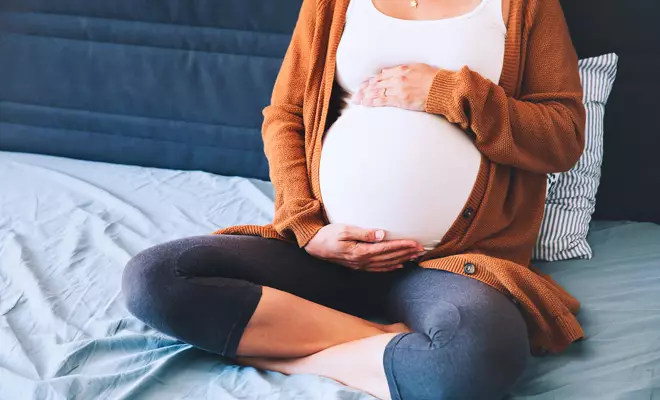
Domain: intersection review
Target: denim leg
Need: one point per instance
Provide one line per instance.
(469, 341)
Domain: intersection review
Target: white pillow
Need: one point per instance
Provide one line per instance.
(571, 196)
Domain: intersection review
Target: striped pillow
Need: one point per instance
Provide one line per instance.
(571, 196)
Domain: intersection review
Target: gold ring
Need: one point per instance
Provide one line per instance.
(385, 92)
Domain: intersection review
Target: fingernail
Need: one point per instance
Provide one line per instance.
(380, 235)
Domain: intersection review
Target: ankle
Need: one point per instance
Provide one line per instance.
(399, 327)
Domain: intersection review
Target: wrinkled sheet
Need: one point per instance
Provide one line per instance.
(68, 227)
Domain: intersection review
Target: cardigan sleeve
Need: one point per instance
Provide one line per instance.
(542, 130)
(298, 214)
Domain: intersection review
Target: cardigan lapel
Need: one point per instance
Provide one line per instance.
(336, 31)
(510, 80)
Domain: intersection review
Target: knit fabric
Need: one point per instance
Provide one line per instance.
(529, 125)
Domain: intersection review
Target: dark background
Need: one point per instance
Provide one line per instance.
(630, 185)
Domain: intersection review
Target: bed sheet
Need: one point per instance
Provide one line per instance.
(67, 228)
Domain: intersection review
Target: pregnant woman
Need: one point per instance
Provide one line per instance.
(408, 143)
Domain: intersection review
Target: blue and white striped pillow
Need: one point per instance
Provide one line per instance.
(571, 196)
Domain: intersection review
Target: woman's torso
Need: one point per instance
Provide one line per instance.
(407, 172)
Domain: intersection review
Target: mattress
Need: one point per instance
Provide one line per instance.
(68, 227)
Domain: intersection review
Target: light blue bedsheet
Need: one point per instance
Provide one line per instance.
(68, 227)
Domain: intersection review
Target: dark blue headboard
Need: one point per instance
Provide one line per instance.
(164, 83)
(181, 84)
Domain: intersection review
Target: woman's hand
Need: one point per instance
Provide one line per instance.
(362, 249)
(405, 86)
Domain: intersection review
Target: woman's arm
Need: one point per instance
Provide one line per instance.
(297, 213)
(540, 131)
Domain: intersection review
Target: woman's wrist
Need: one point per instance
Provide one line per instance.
(305, 229)
(439, 98)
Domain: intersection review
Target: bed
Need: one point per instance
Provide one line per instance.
(67, 227)
(145, 116)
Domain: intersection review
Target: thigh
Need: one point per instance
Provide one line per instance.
(464, 330)
(417, 294)
(276, 264)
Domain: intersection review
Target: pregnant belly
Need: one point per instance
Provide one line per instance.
(409, 173)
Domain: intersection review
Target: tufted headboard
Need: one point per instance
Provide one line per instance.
(181, 84)
(164, 83)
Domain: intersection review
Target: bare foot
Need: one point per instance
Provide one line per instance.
(358, 364)
(399, 327)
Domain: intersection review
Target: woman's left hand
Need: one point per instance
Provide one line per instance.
(405, 86)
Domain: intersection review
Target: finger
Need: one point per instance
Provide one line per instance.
(373, 80)
(357, 97)
(378, 98)
(379, 102)
(396, 96)
(386, 75)
(362, 253)
(369, 83)
(393, 72)
(348, 264)
(377, 86)
(370, 94)
(397, 257)
(384, 264)
(370, 250)
(359, 94)
(391, 86)
(365, 86)
(354, 233)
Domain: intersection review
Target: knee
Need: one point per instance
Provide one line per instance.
(144, 281)
(469, 371)
(460, 361)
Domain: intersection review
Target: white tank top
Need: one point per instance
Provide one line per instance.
(409, 173)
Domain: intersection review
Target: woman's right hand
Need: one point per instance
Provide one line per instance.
(362, 249)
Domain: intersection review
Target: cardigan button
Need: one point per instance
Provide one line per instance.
(468, 213)
(469, 268)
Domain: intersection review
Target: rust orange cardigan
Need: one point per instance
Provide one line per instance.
(531, 124)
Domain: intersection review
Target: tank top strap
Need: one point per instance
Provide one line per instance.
(494, 10)
(355, 7)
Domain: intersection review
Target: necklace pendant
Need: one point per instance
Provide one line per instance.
(414, 3)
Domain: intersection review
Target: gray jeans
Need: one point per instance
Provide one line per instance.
(469, 341)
